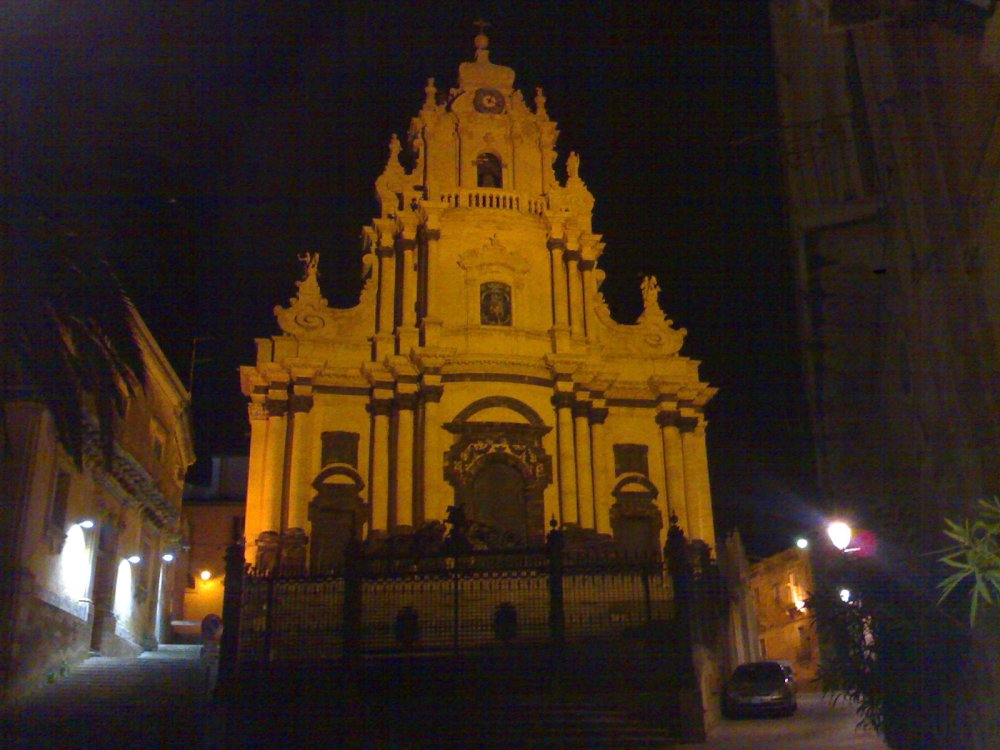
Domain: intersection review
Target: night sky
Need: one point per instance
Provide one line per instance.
(211, 143)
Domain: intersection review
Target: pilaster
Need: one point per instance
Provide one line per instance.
(584, 467)
(563, 403)
(602, 482)
(431, 323)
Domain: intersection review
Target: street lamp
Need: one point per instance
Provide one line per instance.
(840, 534)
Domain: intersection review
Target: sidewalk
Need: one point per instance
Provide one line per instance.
(156, 700)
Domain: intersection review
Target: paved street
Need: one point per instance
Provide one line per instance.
(816, 726)
(154, 701)
(158, 701)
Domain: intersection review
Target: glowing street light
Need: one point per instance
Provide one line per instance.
(135, 559)
(168, 557)
(840, 534)
(802, 543)
(206, 574)
(845, 595)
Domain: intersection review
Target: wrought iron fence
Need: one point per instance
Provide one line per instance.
(446, 602)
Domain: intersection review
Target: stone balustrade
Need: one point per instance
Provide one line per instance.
(493, 198)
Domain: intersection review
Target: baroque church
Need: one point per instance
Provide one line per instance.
(481, 369)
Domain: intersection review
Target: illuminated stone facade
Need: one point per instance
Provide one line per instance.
(481, 366)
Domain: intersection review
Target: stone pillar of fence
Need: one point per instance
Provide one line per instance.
(231, 602)
(353, 661)
(689, 704)
(557, 614)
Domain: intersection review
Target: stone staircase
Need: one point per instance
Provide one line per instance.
(529, 722)
(155, 700)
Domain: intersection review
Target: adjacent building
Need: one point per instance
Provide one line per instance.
(89, 549)
(780, 586)
(890, 138)
(481, 368)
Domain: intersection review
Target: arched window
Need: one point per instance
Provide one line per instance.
(489, 173)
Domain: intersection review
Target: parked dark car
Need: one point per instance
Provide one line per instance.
(760, 687)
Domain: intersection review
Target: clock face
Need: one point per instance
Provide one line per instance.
(489, 101)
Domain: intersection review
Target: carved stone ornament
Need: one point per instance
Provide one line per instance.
(494, 255)
(482, 439)
(653, 334)
(309, 316)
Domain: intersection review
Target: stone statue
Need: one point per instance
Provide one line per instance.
(650, 293)
(311, 263)
(573, 165)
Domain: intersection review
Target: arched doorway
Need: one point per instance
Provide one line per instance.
(499, 469)
(496, 497)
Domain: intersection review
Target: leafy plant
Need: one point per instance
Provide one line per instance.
(975, 557)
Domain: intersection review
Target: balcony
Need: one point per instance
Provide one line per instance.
(495, 199)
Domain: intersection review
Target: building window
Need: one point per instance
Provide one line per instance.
(340, 448)
(631, 458)
(495, 304)
(489, 173)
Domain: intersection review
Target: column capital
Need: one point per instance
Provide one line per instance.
(276, 407)
(563, 400)
(598, 415)
(380, 407)
(256, 410)
(688, 424)
(407, 401)
(556, 243)
(431, 394)
(667, 419)
(572, 255)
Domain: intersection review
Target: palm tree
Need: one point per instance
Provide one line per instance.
(66, 336)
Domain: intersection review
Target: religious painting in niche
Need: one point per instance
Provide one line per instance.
(494, 304)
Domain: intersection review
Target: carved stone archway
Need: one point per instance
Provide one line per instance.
(498, 449)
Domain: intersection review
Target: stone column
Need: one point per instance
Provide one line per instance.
(409, 315)
(405, 405)
(567, 464)
(696, 480)
(407, 334)
(575, 294)
(560, 327)
(602, 482)
(589, 291)
(300, 459)
(584, 467)
(254, 521)
(674, 470)
(386, 301)
(434, 491)
(431, 324)
(274, 465)
(378, 486)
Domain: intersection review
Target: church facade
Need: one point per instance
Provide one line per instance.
(481, 368)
